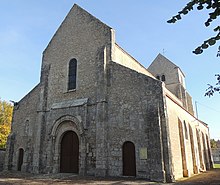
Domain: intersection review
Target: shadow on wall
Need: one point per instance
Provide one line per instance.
(2, 158)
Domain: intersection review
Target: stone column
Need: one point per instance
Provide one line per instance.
(183, 150)
(165, 134)
(8, 165)
(201, 162)
(101, 147)
(41, 119)
(101, 114)
(195, 167)
(209, 151)
(156, 167)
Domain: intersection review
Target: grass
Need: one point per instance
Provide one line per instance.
(216, 165)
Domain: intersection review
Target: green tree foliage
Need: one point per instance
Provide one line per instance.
(213, 143)
(213, 6)
(213, 88)
(6, 110)
(214, 11)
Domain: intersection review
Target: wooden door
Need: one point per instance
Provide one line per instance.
(129, 162)
(69, 155)
(20, 158)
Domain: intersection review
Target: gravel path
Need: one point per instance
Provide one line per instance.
(208, 178)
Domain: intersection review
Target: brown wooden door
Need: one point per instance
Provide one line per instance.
(69, 157)
(20, 158)
(129, 162)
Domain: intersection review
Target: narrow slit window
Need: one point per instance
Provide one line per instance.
(163, 78)
(72, 74)
(186, 131)
(158, 77)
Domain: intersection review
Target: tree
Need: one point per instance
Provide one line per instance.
(6, 110)
(214, 143)
(212, 89)
(214, 7)
(214, 11)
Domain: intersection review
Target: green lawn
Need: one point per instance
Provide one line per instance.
(216, 165)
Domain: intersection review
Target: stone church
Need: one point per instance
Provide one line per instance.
(98, 112)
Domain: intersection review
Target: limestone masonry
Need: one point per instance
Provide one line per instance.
(97, 111)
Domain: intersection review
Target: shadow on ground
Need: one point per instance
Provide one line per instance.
(211, 177)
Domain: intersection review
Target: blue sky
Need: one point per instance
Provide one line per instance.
(141, 29)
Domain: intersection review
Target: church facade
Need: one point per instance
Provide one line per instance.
(97, 111)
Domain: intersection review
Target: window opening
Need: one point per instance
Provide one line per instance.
(163, 78)
(185, 128)
(72, 74)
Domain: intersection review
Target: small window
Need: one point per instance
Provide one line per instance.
(163, 78)
(72, 74)
(158, 77)
(186, 131)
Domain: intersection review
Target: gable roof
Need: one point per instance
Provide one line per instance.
(161, 58)
(77, 10)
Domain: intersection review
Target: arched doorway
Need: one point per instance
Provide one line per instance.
(69, 153)
(129, 162)
(20, 158)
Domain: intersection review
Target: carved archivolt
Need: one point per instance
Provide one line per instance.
(66, 123)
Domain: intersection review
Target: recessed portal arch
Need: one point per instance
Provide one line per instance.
(61, 126)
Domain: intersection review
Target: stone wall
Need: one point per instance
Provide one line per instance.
(189, 140)
(190, 103)
(83, 37)
(123, 58)
(89, 41)
(134, 105)
(2, 158)
(23, 130)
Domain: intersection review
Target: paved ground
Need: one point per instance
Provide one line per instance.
(211, 177)
(208, 178)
